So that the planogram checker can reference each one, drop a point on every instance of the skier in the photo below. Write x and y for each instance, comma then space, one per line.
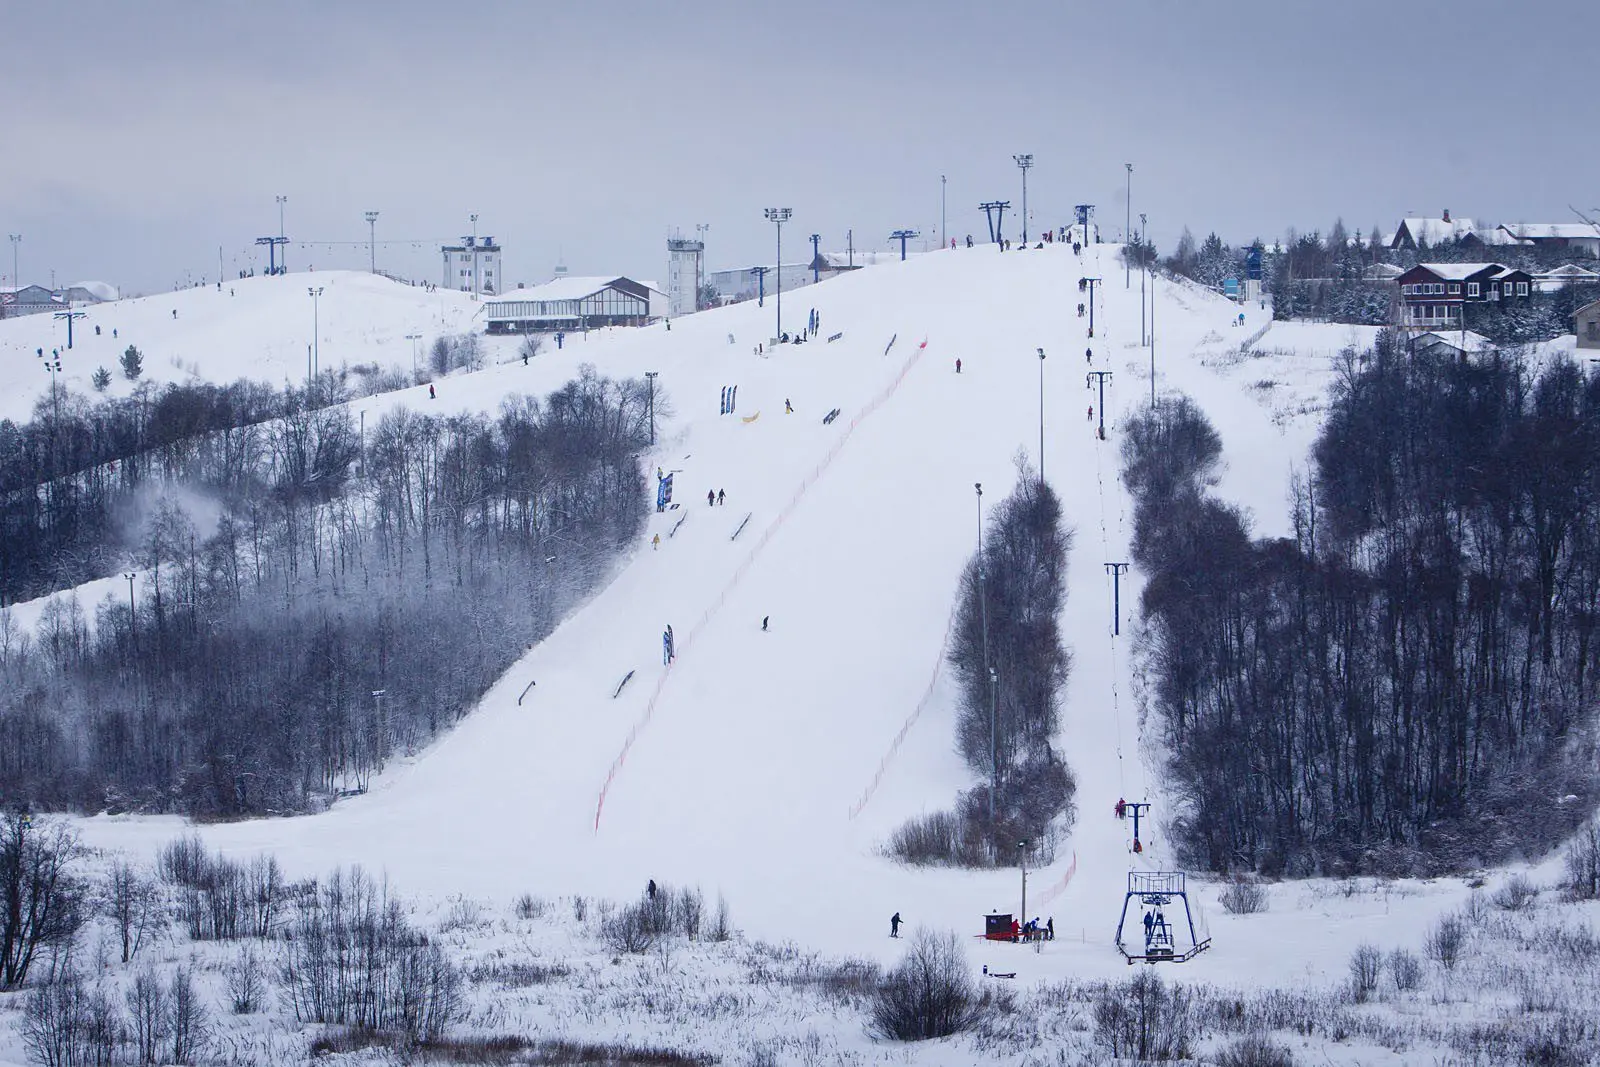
655, 542
174, 312
894, 925
1091, 412
764, 620
788, 408
952, 244
958, 366
669, 325
722, 496
1050, 929
711, 497
1088, 356
1122, 808
969, 240
97, 331
113, 333
431, 393
524, 359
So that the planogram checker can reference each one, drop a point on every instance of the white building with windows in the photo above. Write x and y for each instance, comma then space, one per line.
473, 266
575, 304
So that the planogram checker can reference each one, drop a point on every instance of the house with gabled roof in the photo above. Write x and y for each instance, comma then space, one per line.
1581, 237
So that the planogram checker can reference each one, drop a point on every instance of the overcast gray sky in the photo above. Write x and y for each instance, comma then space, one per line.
142, 135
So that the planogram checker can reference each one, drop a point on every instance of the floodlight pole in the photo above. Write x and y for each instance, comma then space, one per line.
944, 234
16, 240
372, 241
1142, 225
983, 614
283, 265
1126, 226
1024, 162
1041, 415
779, 216
316, 343
650, 376
1022, 851
816, 241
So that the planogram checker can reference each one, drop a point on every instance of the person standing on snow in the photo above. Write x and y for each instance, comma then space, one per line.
894, 925
722, 496
764, 620
655, 542
430, 391
711, 497
958, 366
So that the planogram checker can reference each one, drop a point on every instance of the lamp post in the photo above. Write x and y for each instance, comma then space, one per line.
1022, 853
133, 612
983, 614
474, 219
372, 241
16, 239
1142, 224
283, 266
944, 235
779, 216
1127, 224
315, 292
650, 376
1041, 415
1024, 162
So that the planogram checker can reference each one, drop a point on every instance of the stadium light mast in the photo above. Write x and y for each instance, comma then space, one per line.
16, 239
983, 614
315, 293
779, 216
1024, 161
283, 260
372, 241
1041, 416
650, 376
1127, 224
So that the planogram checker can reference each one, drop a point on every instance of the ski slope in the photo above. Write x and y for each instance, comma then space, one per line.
770, 766
255, 328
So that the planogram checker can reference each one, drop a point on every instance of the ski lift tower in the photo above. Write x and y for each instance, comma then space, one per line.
1164, 942
686, 275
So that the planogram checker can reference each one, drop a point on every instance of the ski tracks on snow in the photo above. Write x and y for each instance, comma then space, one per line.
882, 397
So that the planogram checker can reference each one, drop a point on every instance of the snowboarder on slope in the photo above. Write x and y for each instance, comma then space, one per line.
764, 620
894, 925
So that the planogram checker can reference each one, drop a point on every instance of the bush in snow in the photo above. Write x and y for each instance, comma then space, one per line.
1366, 970
1145, 1019
530, 907
1445, 942
1254, 1050
1583, 865
633, 929
1405, 969
1244, 897
929, 994
1517, 894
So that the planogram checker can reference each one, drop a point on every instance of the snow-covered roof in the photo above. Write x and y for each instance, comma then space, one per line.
1546, 231
1569, 270
99, 290
569, 288
859, 258
1460, 340
1383, 270
1436, 231
1455, 272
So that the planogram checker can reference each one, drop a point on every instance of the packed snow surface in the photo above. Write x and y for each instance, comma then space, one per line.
771, 765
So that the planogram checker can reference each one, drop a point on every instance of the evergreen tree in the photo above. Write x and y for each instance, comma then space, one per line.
132, 364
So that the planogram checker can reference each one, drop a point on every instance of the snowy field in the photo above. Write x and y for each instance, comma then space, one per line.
769, 767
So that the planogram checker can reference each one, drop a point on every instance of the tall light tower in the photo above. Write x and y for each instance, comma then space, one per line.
1142, 224
315, 293
779, 216
16, 239
650, 376
1024, 162
474, 256
1041, 415
283, 260
983, 612
1127, 224
944, 235
372, 241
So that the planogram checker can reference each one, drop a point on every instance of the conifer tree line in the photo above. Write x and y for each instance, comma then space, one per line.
1406, 684
307, 603
1007, 619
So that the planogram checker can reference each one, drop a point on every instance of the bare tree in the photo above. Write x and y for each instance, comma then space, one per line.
135, 905
42, 896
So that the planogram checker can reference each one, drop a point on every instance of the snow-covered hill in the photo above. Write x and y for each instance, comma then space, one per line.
771, 765
255, 328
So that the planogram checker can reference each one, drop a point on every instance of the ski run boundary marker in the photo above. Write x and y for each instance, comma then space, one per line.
871, 408
625, 679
